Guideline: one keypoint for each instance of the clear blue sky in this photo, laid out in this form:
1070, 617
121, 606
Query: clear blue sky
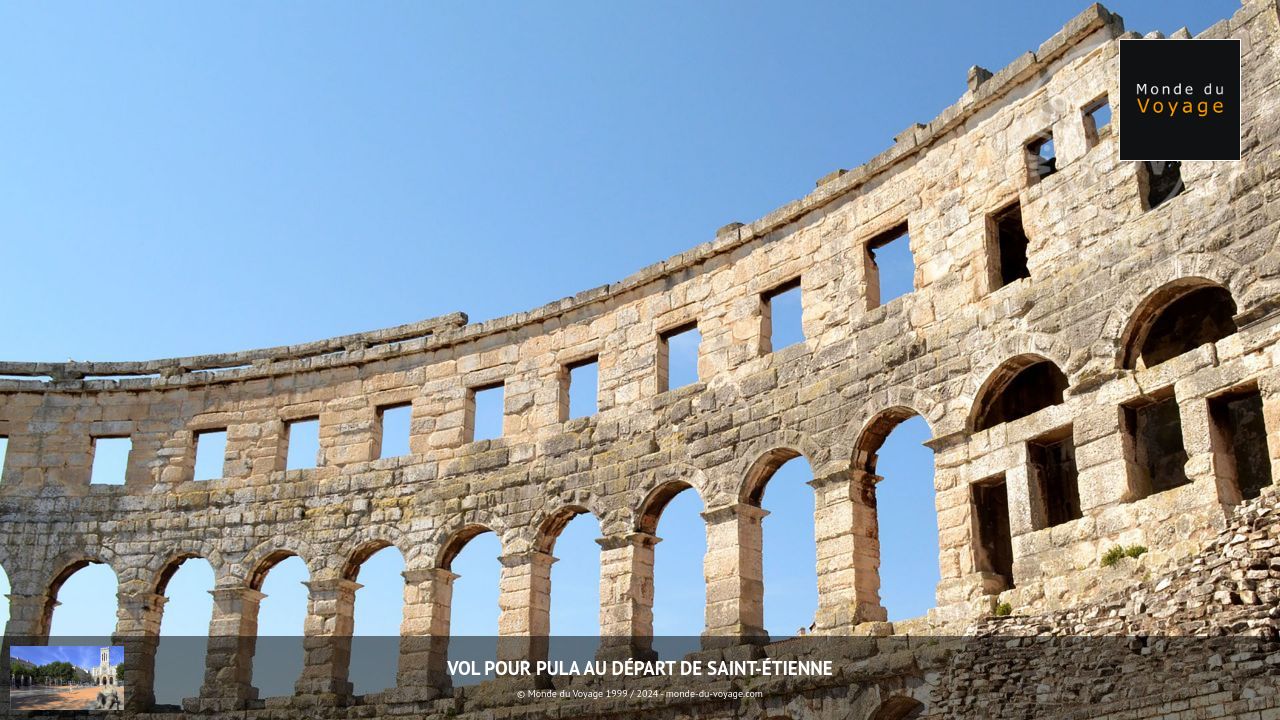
224, 176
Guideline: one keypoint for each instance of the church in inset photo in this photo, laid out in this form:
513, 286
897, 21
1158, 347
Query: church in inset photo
104, 673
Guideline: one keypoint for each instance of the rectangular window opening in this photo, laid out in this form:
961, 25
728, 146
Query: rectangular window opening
1154, 451
4, 452
303, 439
890, 266
211, 454
994, 549
781, 317
110, 460
1007, 241
485, 412
1042, 158
1053, 475
1160, 181
1097, 117
394, 423
1239, 439
580, 389
678, 356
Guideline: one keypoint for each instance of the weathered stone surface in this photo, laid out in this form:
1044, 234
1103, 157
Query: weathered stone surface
1102, 266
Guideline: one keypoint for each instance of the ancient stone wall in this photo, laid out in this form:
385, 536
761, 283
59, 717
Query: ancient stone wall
1012, 378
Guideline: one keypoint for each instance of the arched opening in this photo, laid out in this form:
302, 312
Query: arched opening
788, 547
898, 708
1019, 387
892, 453
1178, 318
278, 656
378, 613
184, 629
472, 555
570, 535
83, 603
673, 513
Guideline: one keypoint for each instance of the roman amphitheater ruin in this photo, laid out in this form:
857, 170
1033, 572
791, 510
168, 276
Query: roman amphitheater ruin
1093, 344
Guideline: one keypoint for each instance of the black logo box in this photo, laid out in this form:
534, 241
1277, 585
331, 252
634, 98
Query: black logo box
1186, 65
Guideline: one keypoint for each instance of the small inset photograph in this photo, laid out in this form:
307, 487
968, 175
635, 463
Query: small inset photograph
65, 677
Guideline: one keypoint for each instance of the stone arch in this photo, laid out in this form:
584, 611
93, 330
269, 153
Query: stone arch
873, 434
170, 569
163, 565
656, 501
1240, 281
553, 524
748, 466
898, 707
997, 347
457, 540
362, 552
172, 649
763, 467
262, 562
1209, 306
69, 564
760, 544
910, 401
355, 646
655, 490
1019, 386
259, 561
665, 568
877, 504
263, 566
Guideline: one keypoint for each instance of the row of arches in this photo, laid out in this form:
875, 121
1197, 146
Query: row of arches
674, 514
1181, 317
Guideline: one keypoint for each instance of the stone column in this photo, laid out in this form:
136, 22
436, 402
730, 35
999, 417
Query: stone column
1269, 389
1026, 508
1102, 465
327, 639
28, 620
626, 596
524, 603
1196, 439
735, 582
848, 547
233, 635
424, 632
138, 630
26, 626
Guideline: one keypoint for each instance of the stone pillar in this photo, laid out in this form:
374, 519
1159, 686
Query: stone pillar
1102, 458
1269, 389
1197, 439
233, 635
524, 603
327, 639
1026, 508
626, 596
424, 632
735, 582
26, 626
848, 546
28, 619
138, 630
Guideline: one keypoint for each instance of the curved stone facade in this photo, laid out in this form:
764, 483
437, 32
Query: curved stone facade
1103, 266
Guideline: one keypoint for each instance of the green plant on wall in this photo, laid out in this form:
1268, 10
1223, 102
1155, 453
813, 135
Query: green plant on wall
1114, 555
